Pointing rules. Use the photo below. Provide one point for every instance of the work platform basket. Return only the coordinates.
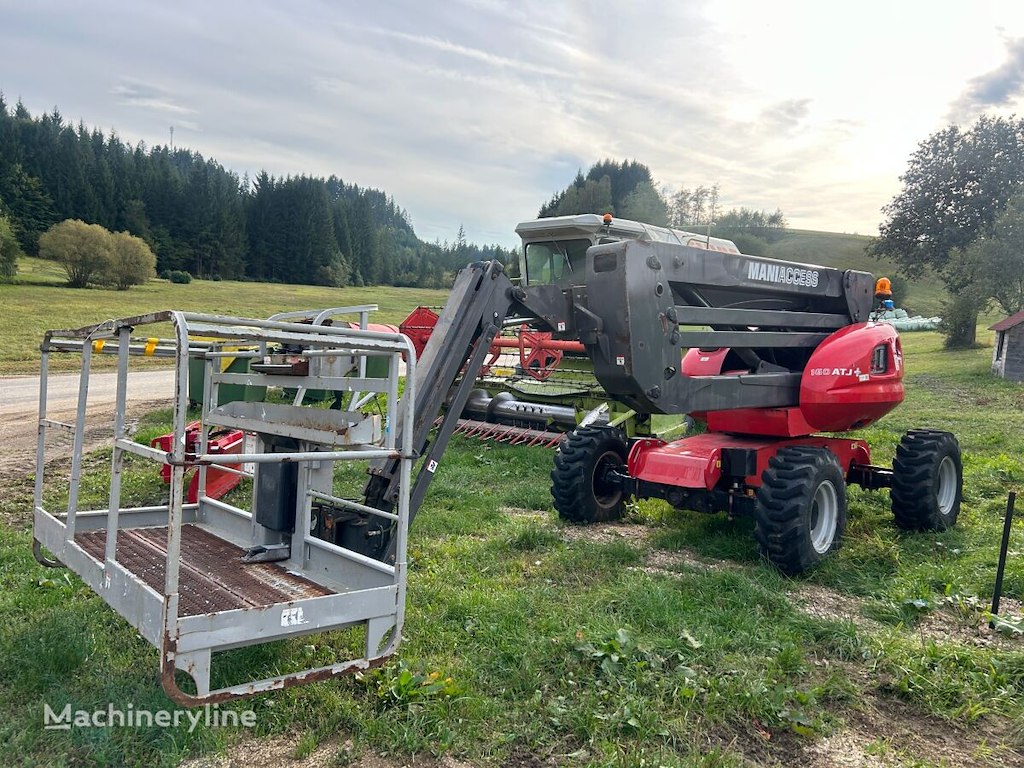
(197, 578)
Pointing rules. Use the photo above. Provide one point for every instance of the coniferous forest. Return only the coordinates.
(199, 217)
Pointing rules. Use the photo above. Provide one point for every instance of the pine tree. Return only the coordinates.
(198, 216)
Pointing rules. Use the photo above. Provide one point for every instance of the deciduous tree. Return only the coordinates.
(956, 184)
(83, 250)
(992, 267)
(645, 204)
(693, 208)
(132, 261)
(9, 250)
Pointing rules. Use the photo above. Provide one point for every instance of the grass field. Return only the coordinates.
(833, 249)
(663, 640)
(39, 301)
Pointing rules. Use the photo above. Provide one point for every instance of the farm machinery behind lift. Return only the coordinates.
(533, 388)
(779, 359)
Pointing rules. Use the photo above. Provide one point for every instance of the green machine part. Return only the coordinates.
(227, 393)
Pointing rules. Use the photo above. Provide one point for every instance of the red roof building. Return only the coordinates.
(1008, 322)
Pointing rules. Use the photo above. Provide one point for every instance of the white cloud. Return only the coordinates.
(147, 96)
(475, 112)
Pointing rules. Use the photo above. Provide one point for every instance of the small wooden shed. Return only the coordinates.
(1008, 355)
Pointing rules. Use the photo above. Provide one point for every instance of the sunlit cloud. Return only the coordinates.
(474, 112)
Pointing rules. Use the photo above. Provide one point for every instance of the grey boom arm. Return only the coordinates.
(630, 310)
(472, 317)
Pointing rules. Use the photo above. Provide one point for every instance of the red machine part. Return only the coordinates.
(539, 353)
(696, 462)
(418, 326)
(853, 378)
(775, 422)
(541, 361)
(505, 433)
(379, 327)
(540, 338)
(703, 362)
(218, 481)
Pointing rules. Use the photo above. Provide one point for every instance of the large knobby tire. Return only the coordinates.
(801, 508)
(578, 486)
(927, 481)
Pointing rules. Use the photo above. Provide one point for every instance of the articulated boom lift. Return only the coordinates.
(776, 357)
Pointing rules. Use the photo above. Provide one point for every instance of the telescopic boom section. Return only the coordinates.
(474, 314)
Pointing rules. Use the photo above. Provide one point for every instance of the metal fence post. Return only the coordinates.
(1011, 500)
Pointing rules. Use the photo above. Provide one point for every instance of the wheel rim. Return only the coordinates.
(605, 494)
(824, 517)
(945, 494)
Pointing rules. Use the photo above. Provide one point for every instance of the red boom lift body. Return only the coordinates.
(779, 359)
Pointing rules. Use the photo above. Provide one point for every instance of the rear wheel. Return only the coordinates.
(579, 484)
(801, 508)
(927, 482)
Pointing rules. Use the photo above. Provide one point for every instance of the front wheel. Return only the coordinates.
(580, 486)
(801, 508)
(927, 481)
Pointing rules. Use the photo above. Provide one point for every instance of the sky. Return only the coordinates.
(474, 112)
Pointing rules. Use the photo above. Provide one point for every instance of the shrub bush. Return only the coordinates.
(178, 276)
(93, 255)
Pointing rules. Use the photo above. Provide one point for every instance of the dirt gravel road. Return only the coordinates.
(19, 407)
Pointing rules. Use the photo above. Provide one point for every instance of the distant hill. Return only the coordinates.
(626, 190)
(201, 217)
(833, 249)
